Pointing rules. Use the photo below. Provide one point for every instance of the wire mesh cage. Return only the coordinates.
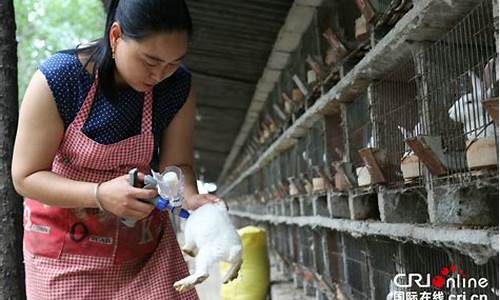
(306, 247)
(334, 143)
(277, 110)
(397, 116)
(284, 160)
(287, 102)
(316, 157)
(308, 154)
(343, 43)
(383, 12)
(254, 149)
(255, 186)
(304, 183)
(248, 185)
(291, 244)
(311, 51)
(459, 274)
(488, 270)
(299, 92)
(334, 254)
(270, 122)
(319, 262)
(357, 268)
(266, 182)
(295, 238)
(385, 265)
(332, 49)
(271, 236)
(292, 171)
(360, 137)
(457, 75)
(336, 25)
(280, 239)
(240, 191)
(359, 128)
(274, 178)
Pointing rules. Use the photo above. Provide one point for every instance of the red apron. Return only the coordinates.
(86, 253)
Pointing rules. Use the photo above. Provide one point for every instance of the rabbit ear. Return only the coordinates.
(477, 86)
(418, 129)
(371, 142)
(454, 109)
(404, 132)
(156, 175)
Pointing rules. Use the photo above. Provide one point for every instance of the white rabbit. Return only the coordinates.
(408, 134)
(371, 142)
(392, 289)
(211, 237)
(469, 111)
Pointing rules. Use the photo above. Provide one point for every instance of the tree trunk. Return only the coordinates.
(11, 210)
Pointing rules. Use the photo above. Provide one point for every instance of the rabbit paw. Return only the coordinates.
(189, 282)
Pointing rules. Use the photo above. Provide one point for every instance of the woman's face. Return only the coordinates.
(144, 63)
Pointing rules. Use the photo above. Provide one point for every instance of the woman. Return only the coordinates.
(87, 118)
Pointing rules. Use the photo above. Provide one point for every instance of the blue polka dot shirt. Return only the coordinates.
(113, 121)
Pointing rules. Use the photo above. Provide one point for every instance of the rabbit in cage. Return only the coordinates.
(408, 134)
(469, 111)
(210, 237)
(371, 142)
(392, 289)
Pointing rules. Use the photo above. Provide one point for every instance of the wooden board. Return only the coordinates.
(410, 166)
(363, 175)
(491, 105)
(481, 153)
(430, 152)
(374, 161)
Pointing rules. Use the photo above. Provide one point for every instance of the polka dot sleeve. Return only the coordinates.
(61, 71)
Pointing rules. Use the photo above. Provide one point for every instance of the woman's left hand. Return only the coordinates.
(197, 200)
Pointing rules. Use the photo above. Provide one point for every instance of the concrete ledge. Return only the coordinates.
(403, 205)
(474, 203)
(338, 205)
(270, 208)
(363, 206)
(285, 208)
(479, 244)
(320, 206)
(306, 206)
(294, 207)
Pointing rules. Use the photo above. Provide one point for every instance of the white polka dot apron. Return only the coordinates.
(89, 254)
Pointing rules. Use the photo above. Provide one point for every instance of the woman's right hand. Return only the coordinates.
(121, 199)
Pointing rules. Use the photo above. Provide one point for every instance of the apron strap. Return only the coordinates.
(147, 113)
(84, 111)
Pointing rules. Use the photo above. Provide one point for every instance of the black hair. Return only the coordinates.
(138, 19)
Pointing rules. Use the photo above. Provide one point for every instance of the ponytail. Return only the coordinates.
(105, 64)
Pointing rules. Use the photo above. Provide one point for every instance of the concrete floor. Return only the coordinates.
(210, 288)
(281, 287)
